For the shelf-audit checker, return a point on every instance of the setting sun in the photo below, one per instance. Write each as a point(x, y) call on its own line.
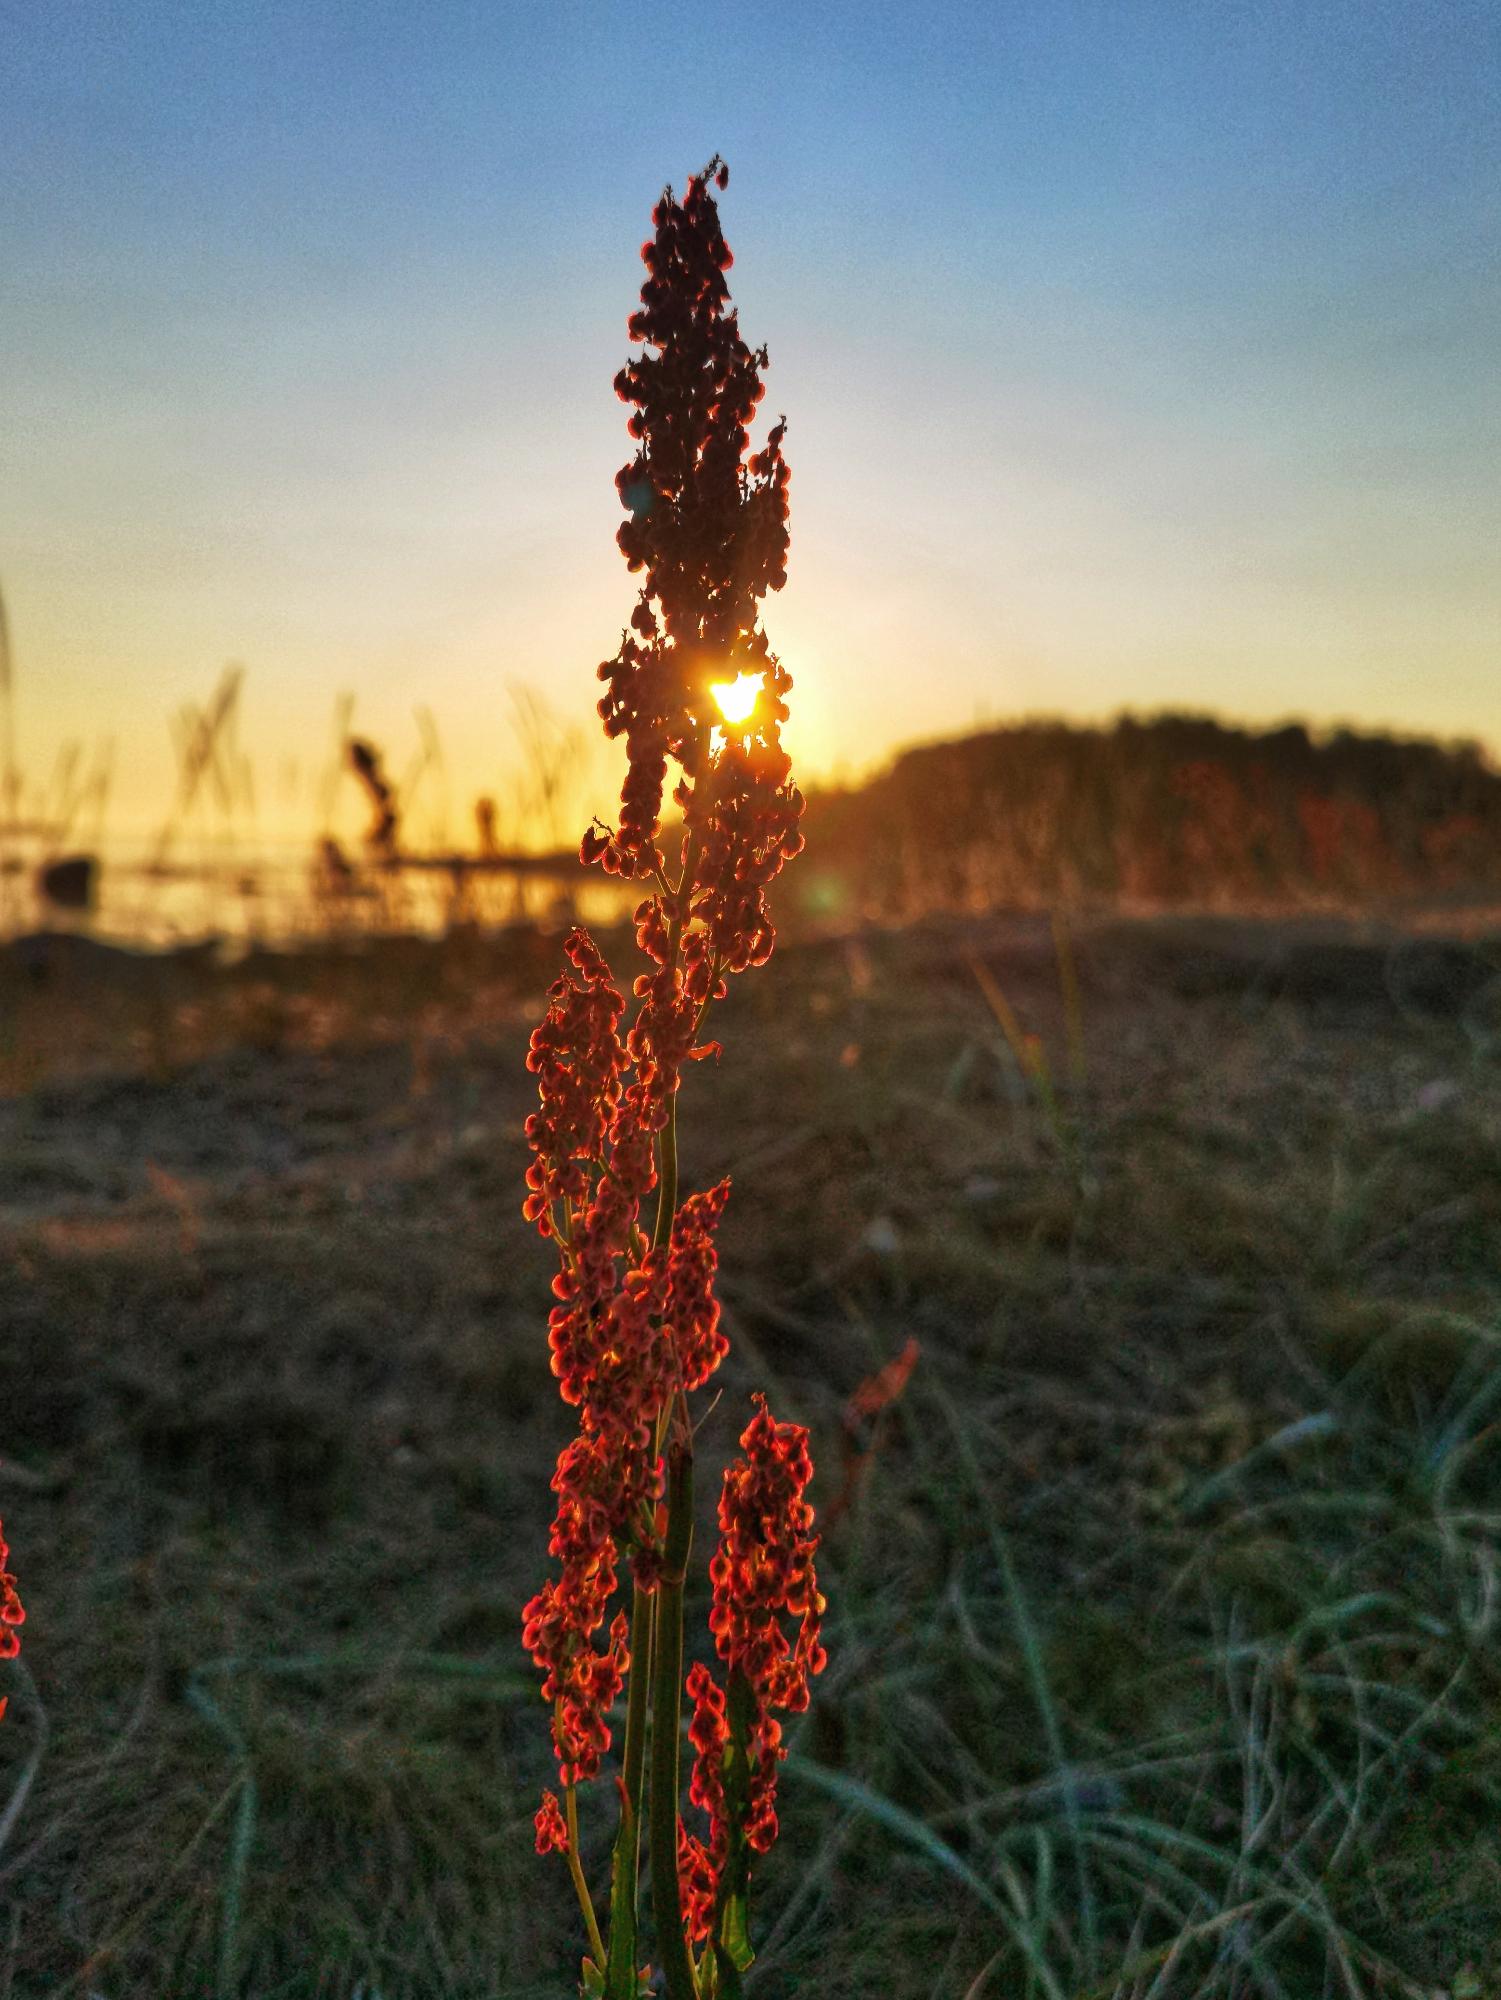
point(737, 698)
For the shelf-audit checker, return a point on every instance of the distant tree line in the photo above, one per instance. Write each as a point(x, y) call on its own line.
point(1177, 810)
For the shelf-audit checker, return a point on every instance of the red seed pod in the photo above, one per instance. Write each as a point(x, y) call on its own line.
point(552, 1834)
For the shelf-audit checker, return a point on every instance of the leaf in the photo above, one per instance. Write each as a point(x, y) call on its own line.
point(623, 1872)
point(730, 1987)
point(734, 1932)
point(732, 1917)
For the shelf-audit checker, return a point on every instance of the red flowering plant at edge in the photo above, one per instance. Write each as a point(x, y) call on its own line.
point(699, 699)
point(12, 1613)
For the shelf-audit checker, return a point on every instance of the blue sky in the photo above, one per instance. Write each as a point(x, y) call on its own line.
point(1133, 355)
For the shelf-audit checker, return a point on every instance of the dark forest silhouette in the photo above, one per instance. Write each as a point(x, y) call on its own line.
point(1180, 810)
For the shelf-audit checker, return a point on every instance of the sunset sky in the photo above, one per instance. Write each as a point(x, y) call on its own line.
point(1133, 355)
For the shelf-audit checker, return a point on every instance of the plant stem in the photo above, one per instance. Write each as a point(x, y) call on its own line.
point(667, 1694)
point(667, 1198)
point(576, 1870)
point(625, 1867)
point(667, 1145)
point(667, 1629)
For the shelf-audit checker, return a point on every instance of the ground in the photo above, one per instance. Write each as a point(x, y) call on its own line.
point(1162, 1605)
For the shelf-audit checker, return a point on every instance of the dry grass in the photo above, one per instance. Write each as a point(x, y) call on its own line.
point(1162, 1619)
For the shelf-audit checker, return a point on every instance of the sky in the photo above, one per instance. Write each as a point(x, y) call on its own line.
point(1134, 355)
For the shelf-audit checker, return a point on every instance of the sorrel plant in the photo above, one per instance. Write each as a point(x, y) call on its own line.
point(694, 689)
point(12, 1614)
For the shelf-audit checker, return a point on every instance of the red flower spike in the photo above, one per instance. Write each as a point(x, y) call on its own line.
point(12, 1611)
point(707, 518)
point(12, 1614)
point(692, 1309)
point(762, 1575)
point(577, 1057)
point(698, 1884)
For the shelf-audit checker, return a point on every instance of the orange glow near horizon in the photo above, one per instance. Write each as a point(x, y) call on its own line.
point(1221, 438)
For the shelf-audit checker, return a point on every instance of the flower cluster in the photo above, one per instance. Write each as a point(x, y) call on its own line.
point(701, 1863)
point(577, 1057)
point(12, 1612)
point(621, 1349)
point(552, 1833)
point(749, 830)
point(763, 1575)
point(692, 1309)
point(763, 1569)
point(708, 521)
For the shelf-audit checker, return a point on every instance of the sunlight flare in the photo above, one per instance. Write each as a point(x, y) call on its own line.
point(737, 699)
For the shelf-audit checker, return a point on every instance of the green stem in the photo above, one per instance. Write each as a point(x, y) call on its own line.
point(667, 1198)
point(731, 1913)
point(667, 1694)
point(667, 1630)
point(625, 1868)
point(667, 1143)
point(576, 1870)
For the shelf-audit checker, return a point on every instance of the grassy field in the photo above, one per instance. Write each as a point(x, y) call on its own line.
point(1162, 1607)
